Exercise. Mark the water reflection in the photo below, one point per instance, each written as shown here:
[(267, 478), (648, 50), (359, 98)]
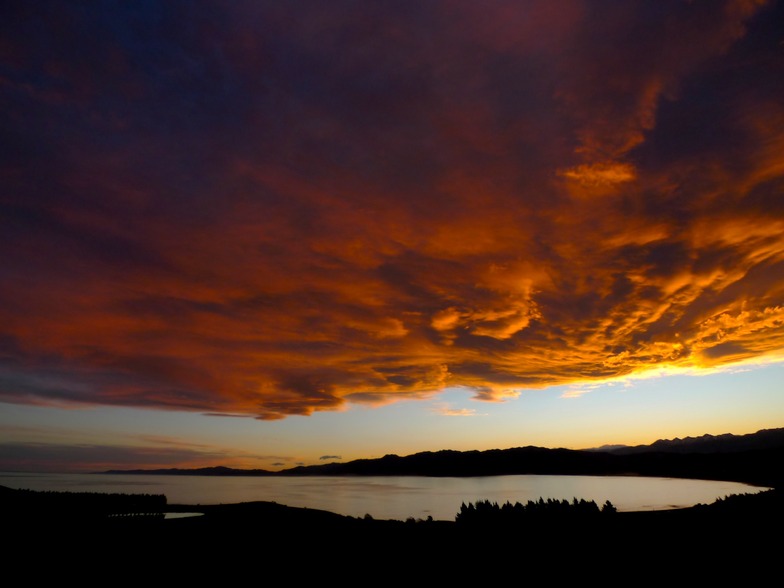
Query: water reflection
[(394, 497), (181, 515)]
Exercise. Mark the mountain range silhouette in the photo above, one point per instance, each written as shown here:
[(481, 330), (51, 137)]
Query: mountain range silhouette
[(755, 458)]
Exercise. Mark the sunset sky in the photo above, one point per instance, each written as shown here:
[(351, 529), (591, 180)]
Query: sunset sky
[(269, 233)]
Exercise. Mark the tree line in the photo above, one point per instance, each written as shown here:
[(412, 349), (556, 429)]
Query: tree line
[(486, 512), (44, 503)]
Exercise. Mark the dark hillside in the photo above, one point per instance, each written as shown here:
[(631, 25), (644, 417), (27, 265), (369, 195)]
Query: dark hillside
[(763, 467), (228, 542)]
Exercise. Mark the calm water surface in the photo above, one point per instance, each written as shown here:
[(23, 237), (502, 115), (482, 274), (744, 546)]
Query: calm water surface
[(394, 497)]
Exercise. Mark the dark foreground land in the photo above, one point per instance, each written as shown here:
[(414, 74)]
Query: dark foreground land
[(736, 539)]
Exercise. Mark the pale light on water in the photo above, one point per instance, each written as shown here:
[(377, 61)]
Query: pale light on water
[(394, 497)]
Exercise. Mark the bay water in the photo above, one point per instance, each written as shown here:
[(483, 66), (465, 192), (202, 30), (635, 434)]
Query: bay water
[(393, 497)]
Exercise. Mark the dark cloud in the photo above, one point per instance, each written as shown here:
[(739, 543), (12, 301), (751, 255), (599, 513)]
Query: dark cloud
[(266, 210), (325, 457)]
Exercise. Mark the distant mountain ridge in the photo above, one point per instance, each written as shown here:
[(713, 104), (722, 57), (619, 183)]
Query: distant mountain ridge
[(726, 443), (757, 458), (208, 471)]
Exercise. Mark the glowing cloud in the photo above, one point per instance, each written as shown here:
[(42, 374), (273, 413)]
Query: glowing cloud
[(601, 174), (457, 412), (268, 209)]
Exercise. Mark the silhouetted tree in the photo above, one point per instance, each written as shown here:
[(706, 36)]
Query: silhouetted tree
[(608, 508)]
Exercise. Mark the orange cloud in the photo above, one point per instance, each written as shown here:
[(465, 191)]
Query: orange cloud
[(601, 174), (446, 411), (376, 206)]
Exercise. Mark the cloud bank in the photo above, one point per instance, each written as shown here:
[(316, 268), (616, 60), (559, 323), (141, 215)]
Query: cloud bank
[(270, 209)]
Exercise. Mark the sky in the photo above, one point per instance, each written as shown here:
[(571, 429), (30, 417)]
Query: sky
[(267, 233)]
